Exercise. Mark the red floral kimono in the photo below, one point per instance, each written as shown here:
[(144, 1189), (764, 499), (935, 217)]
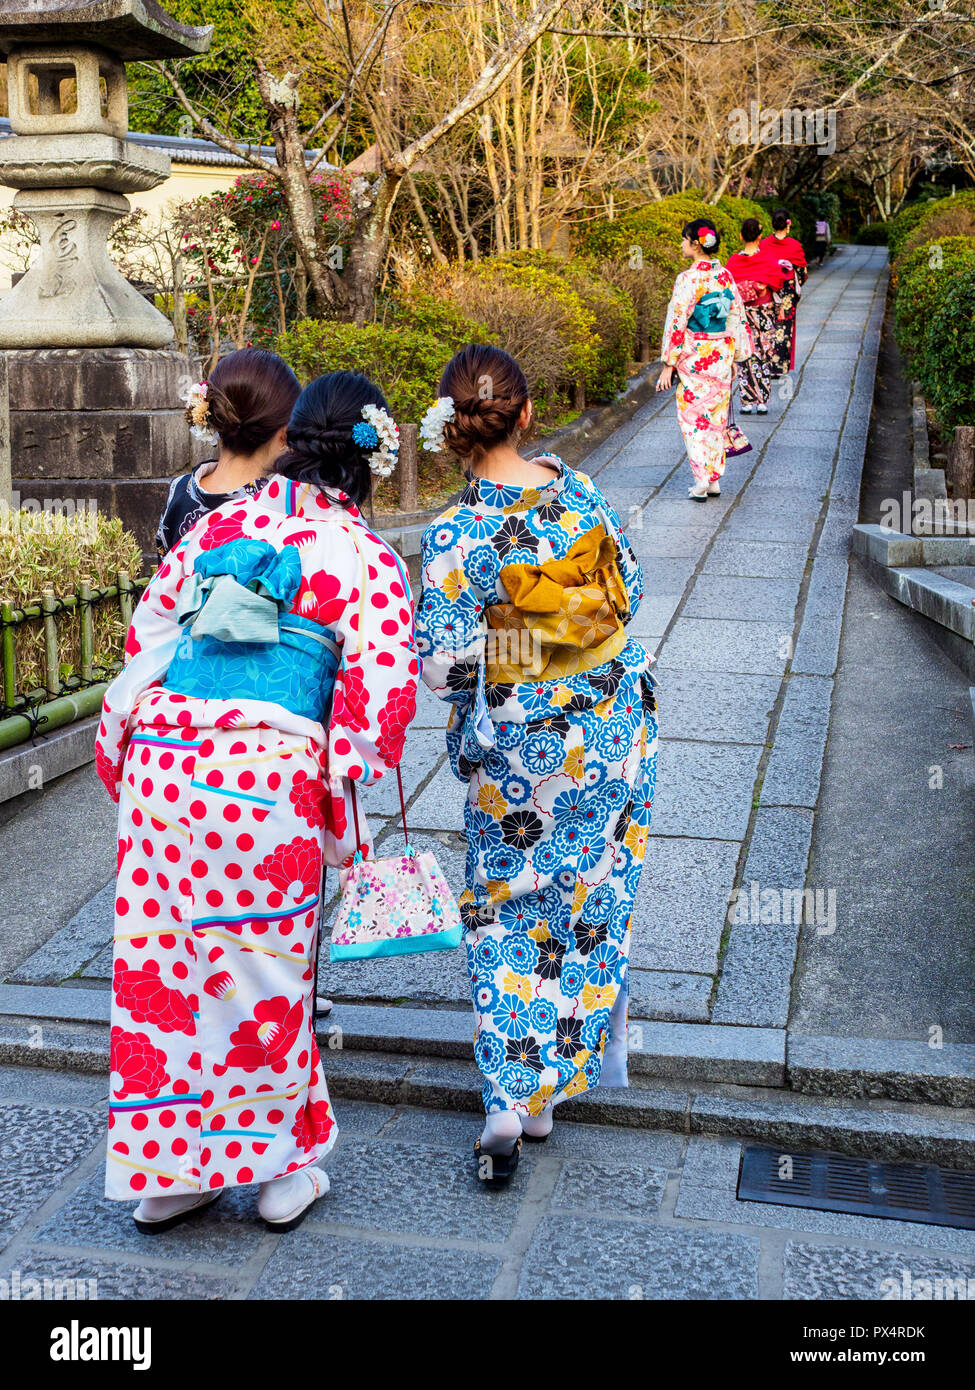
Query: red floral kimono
[(228, 806)]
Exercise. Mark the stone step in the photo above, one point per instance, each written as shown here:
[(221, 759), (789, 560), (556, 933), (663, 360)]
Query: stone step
[(898, 1069), (670, 1051), (878, 1129)]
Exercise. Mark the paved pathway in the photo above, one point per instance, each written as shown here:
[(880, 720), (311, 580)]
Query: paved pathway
[(597, 1212), (745, 600), (744, 606)]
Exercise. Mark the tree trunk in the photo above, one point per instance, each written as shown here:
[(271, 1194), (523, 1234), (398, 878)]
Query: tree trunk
[(961, 463)]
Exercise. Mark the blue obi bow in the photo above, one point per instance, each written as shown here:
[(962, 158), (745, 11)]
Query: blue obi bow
[(711, 312), (236, 590)]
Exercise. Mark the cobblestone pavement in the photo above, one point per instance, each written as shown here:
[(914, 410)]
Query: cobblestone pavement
[(596, 1212)]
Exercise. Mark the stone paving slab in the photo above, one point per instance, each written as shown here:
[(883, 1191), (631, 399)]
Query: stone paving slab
[(814, 1272), (680, 906), (762, 559), (723, 706), (796, 761), (577, 1258), (315, 1263), (722, 597), (756, 647), (708, 1187), (704, 789)]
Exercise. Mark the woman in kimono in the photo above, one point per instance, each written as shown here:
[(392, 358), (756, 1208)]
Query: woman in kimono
[(270, 663), (528, 584), (705, 334), (784, 248), (243, 408), (759, 278)]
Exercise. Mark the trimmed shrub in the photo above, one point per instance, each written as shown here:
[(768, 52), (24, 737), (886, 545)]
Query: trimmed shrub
[(946, 217), (405, 363), (612, 309), (924, 274), (426, 311), (50, 551), (875, 234), (946, 361)]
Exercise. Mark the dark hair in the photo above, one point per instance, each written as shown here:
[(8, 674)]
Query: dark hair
[(250, 396), (489, 391), (780, 219), (700, 227), (321, 450), (751, 229)]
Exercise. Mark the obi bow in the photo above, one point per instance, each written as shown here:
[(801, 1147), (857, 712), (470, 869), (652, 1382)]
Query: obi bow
[(236, 590), (569, 609)]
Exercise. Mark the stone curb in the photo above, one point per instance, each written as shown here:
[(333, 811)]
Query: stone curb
[(899, 1070), (890, 1131), (893, 560), (54, 754), (671, 1051)]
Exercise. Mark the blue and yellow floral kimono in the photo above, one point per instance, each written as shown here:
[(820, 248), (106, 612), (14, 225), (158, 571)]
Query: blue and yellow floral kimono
[(521, 628)]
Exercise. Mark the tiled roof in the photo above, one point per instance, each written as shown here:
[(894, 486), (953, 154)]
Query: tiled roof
[(187, 150)]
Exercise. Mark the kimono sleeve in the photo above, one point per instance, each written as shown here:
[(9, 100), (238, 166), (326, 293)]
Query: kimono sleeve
[(679, 310), (374, 700), (451, 628), (375, 687), (149, 648)]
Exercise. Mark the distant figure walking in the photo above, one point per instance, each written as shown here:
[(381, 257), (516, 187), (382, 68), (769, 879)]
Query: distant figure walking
[(792, 258), (823, 238), (705, 334), (759, 278)]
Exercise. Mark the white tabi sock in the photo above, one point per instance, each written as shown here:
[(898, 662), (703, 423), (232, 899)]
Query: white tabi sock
[(280, 1197), (538, 1126), (502, 1129)]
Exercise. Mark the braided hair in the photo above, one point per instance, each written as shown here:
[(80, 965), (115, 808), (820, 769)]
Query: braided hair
[(321, 450)]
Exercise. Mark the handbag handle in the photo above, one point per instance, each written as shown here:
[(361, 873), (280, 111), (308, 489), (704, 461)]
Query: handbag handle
[(402, 808)]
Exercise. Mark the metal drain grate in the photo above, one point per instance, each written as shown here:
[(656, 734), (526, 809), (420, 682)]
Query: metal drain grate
[(837, 1182)]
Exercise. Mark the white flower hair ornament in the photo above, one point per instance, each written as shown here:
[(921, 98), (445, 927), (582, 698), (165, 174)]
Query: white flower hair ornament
[(198, 414), (707, 238), (378, 432), (433, 423)]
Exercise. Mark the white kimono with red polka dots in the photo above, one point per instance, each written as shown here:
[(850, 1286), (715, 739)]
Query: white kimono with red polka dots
[(227, 808)]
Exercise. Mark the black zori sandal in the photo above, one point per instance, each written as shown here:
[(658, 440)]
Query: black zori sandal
[(495, 1170)]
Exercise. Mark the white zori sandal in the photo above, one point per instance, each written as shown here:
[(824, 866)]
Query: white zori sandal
[(154, 1215), (285, 1202)]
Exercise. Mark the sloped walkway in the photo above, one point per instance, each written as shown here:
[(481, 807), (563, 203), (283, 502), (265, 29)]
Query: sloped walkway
[(744, 604)]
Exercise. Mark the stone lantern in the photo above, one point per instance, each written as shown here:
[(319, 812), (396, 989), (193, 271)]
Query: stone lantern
[(94, 383)]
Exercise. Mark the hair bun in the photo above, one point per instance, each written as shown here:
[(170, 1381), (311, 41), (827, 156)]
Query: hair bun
[(482, 422)]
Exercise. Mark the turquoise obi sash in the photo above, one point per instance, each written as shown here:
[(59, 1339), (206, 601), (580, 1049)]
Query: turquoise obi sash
[(710, 313), (240, 642)]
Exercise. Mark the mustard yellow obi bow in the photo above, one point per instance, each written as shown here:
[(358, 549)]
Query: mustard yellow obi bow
[(563, 617)]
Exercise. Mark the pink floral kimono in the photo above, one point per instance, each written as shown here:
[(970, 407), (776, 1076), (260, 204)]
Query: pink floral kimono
[(705, 334), (270, 662)]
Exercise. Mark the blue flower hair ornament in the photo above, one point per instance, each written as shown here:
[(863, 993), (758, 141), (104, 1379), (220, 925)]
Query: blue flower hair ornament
[(365, 435)]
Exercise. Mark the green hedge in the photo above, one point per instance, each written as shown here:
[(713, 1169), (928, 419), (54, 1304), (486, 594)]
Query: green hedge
[(612, 311), (946, 360), (404, 362), (921, 283), (920, 222), (874, 234)]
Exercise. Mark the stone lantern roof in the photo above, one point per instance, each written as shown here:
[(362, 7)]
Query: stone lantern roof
[(130, 29)]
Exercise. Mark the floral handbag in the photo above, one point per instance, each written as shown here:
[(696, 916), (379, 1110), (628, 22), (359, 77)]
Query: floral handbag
[(394, 906), (735, 441)]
